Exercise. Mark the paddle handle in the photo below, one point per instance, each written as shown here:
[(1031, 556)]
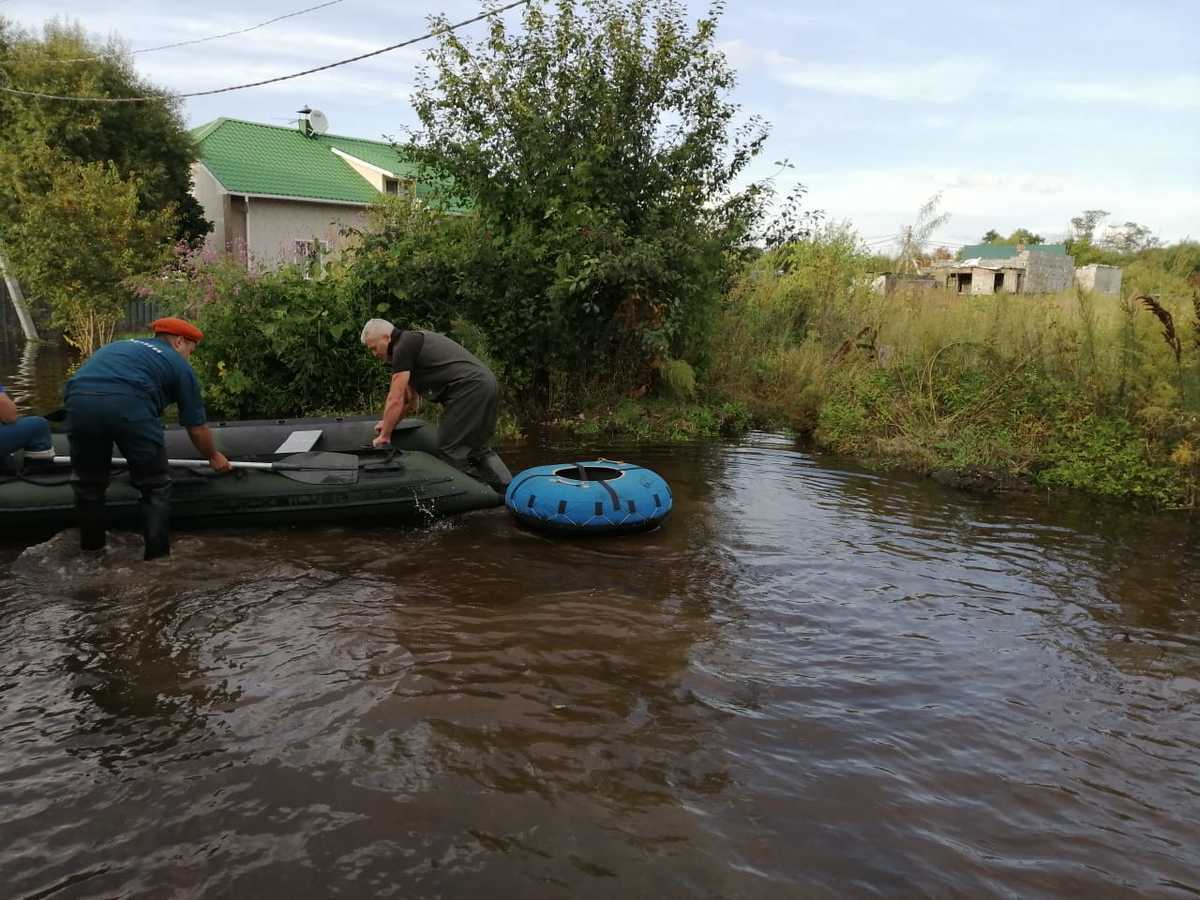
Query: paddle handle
[(182, 463)]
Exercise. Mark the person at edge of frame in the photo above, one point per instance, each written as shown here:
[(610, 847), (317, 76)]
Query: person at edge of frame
[(18, 432)]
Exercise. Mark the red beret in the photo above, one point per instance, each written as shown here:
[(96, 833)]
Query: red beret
[(171, 325)]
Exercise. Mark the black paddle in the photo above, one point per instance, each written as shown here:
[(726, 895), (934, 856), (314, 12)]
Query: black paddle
[(308, 468)]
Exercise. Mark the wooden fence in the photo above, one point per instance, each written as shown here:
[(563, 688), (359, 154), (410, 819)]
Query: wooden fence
[(138, 316)]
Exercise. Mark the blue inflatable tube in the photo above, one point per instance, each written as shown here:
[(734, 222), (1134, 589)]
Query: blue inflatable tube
[(596, 497)]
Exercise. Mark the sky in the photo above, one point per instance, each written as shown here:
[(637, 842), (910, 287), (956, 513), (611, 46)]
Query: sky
[(1018, 117)]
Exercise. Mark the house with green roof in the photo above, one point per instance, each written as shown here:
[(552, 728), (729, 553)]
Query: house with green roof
[(284, 194), (1007, 268)]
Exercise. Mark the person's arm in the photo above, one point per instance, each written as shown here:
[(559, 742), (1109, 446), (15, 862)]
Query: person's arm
[(202, 440), (393, 409), (8, 409)]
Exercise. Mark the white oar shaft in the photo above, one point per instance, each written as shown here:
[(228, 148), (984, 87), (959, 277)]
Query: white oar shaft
[(184, 463)]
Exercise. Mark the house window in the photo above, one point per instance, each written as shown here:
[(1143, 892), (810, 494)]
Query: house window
[(398, 188), (305, 252)]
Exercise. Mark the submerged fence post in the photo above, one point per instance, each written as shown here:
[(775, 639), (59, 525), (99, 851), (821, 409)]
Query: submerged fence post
[(18, 302)]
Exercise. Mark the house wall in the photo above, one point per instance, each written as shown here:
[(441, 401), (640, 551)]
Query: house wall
[(1048, 273), (273, 227), (235, 206), (371, 175), (1100, 279), (982, 281), (210, 195)]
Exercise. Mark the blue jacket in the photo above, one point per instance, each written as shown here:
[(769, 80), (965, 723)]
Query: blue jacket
[(146, 369)]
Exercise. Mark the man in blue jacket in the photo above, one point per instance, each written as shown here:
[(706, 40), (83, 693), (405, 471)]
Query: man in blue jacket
[(117, 396), (17, 432)]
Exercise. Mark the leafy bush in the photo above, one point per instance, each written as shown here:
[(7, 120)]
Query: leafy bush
[(678, 379), (277, 344)]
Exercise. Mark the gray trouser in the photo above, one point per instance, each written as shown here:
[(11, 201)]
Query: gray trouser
[(467, 428), (469, 421)]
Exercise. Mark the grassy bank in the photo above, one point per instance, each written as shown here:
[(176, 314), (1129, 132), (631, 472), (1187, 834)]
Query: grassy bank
[(1094, 393), (1091, 393)]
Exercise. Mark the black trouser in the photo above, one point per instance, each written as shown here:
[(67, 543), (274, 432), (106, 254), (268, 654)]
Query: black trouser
[(97, 422)]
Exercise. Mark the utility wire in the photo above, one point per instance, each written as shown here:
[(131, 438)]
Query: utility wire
[(211, 37), (251, 84)]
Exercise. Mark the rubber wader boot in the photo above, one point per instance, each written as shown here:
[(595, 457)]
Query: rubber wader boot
[(90, 513), (492, 470), (156, 521)]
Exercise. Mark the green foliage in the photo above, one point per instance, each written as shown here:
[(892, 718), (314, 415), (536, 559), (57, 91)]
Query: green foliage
[(1107, 456), (275, 344), (147, 143), (77, 241), (1120, 245), (647, 420), (594, 145), (1074, 391), (1020, 236), (1024, 236), (769, 341), (678, 379)]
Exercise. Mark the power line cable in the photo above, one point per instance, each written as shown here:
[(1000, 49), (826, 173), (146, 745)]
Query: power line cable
[(211, 37), (251, 84)]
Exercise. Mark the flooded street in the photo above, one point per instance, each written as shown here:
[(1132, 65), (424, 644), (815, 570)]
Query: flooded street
[(813, 681)]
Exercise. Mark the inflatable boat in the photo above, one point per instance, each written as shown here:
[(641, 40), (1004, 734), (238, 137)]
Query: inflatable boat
[(406, 484)]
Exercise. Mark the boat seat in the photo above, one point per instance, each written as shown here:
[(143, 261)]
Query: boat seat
[(299, 442)]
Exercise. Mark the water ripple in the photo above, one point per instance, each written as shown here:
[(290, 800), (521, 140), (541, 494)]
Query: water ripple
[(813, 681)]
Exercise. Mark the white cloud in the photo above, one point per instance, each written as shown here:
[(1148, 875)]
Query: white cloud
[(939, 81), (881, 201), (1177, 92)]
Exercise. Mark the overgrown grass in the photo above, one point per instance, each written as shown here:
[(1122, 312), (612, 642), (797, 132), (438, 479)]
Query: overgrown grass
[(1094, 393)]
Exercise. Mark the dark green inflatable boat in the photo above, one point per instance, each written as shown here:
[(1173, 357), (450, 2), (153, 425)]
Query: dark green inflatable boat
[(404, 485)]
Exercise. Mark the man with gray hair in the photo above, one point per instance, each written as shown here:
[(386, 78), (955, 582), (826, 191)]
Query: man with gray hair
[(441, 370)]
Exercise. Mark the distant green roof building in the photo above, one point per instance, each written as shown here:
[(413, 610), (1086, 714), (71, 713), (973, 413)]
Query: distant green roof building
[(284, 194), (1007, 251)]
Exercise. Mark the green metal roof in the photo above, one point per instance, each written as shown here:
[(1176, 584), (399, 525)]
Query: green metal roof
[(251, 158), (1007, 251)]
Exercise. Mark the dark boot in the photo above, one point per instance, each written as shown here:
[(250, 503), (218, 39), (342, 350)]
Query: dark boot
[(156, 520), (89, 511), (492, 470)]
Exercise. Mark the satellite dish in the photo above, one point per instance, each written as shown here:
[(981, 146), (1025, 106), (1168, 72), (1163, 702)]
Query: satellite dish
[(317, 122)]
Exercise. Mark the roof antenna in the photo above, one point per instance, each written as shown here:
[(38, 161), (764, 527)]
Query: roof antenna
[(312, 121)]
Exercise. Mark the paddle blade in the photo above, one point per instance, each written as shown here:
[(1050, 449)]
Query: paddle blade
[(319, 468)]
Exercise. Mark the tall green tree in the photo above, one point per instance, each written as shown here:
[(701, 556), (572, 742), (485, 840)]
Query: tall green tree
[(146, 142), (1132, 237), (1024, 236), (1083, 226), (599, 149), (81, 238)]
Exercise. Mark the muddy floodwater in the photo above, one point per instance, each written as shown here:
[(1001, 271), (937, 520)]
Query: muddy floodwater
[(813, 681)]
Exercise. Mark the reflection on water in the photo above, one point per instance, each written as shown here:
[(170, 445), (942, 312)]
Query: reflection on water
[(33, 374), (812, 681)]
